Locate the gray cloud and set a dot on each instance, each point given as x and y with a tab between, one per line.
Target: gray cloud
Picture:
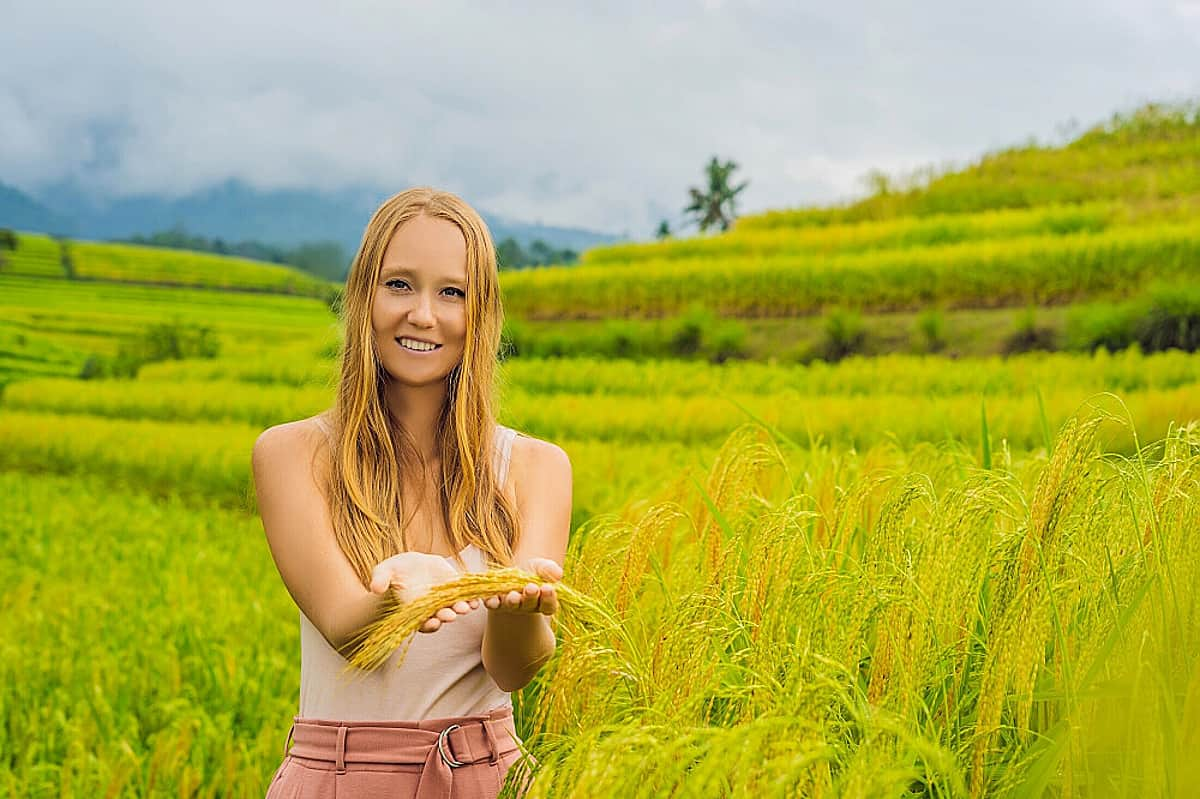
596	114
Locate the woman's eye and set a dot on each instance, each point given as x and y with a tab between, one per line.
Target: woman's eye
404	283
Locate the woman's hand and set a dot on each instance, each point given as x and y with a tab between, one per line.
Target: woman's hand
534	598
411	575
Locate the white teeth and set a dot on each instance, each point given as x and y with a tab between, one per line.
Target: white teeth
420	346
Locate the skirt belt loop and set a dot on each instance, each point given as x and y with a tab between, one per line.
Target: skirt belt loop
340	751
490	735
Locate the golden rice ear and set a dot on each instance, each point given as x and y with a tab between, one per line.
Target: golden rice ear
376	643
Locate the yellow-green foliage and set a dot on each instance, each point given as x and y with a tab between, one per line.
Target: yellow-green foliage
761	241
1128	370
136	263
889	622
986	273
51	326
35	255
204	461
848	420
1142	156
859	624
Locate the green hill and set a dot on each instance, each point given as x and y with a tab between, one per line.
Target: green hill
1094	219
43	256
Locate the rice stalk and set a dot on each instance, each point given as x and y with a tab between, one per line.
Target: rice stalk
393	631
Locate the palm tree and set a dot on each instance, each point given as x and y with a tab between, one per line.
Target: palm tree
716	206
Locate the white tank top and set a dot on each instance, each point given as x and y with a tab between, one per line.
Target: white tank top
441	675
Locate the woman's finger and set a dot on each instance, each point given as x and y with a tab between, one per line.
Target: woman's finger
549	604
431	625
446	614
462	606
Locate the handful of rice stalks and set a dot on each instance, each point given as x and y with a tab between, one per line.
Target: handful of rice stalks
376	642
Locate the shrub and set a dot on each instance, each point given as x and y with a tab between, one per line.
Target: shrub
931	331
623	339
727	340
844	334
1101	325
686	333
1028	335
1170	319
159	342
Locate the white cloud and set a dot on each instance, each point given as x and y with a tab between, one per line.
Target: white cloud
597	115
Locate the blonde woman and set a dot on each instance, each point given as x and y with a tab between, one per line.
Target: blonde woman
405	482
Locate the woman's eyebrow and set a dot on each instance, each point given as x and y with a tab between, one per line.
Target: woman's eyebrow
404	270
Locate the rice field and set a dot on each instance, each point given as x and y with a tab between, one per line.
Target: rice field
882	577
1035	269
902	576
43	256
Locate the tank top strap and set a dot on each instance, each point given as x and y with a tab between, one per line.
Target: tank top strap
504	441
324	424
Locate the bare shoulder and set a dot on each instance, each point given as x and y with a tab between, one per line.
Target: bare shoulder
540	464
285	444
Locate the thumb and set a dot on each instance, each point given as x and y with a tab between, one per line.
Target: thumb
547	569
381	579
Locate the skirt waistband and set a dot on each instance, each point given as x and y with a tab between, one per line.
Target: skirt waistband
440	745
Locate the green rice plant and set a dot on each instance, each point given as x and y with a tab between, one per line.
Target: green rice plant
689	420
1032	269
896	374
136	263
34	255
751	237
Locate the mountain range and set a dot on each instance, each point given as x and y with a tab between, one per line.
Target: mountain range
236	211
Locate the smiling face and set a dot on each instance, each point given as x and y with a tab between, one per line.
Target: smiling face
420	297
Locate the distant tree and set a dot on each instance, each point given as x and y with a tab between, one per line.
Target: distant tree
541	253
64	257
879	183
716	204
509	254
8	241
324	258
664	230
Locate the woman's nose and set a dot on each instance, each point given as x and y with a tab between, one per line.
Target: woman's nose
422	311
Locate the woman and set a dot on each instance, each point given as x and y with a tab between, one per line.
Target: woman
405	482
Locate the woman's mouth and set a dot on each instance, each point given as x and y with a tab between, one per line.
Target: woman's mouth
413	345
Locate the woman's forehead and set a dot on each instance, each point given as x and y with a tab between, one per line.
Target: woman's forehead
429	248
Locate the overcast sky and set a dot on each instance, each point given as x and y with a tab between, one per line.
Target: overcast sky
592	114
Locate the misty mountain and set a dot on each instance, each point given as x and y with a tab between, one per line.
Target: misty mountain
235	211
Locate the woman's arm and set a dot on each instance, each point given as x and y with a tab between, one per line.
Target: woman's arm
295	517
517	642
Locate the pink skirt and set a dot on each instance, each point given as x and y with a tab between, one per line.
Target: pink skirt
462	757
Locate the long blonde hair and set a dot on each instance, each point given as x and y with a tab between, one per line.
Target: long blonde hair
364	490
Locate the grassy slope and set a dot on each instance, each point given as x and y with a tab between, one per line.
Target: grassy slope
1135	178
